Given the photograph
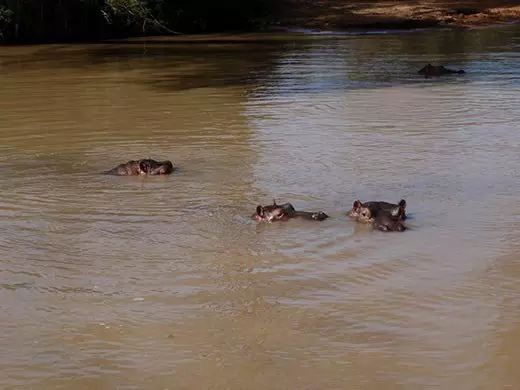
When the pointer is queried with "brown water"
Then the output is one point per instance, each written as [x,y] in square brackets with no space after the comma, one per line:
[165,282]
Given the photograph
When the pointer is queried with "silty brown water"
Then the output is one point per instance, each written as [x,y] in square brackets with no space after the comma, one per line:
[166,283]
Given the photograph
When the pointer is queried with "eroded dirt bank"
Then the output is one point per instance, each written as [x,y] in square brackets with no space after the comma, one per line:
[386,14]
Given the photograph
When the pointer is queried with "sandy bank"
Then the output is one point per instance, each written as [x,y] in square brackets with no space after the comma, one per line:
[387,14]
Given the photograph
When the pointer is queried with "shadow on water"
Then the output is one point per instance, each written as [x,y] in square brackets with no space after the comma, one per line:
[338,62]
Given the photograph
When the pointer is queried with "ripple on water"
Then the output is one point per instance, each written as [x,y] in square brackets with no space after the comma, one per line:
[97,272]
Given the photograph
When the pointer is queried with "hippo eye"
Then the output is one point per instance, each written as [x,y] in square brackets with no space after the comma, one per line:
[365,214]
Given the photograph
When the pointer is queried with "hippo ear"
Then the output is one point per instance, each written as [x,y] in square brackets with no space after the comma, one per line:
[260,210]
[402,203]
[357,204]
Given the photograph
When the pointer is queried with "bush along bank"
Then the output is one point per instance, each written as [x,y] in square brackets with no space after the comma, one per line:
[40,21]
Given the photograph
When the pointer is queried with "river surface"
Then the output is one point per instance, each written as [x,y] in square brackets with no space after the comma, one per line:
[166,283]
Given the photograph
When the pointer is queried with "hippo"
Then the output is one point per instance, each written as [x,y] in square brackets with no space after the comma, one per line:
[374,206]
[142,167]
[382,219]
[431,70]
[283,212]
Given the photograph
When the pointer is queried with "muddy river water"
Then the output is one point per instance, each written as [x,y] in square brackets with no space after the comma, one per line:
[166,283]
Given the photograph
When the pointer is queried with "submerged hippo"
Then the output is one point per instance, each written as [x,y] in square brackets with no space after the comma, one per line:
[392,209]
[382,219]
[142,167]
[285,211]
[431,70]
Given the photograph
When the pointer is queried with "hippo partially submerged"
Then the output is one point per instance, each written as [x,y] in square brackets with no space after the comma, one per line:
[285,211]
[382,219]
[431,70]
[394,210]
[142,167]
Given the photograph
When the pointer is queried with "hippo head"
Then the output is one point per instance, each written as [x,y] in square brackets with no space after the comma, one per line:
[152,167]
[143,167]
[428,69]
[162,168]
[387,222]
[269,213]
[431,70]
[354,211]
[363,214]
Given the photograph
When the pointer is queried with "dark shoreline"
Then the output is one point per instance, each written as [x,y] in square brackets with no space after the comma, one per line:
[335,16]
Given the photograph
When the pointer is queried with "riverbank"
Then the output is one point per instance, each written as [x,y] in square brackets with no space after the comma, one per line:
[88,22]
[385,14]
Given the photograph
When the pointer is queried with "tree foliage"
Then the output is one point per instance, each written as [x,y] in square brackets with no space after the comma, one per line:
[62,20]
[6,16]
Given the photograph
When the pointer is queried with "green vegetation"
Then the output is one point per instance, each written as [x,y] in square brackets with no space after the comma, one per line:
[67,20]
[6,16]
